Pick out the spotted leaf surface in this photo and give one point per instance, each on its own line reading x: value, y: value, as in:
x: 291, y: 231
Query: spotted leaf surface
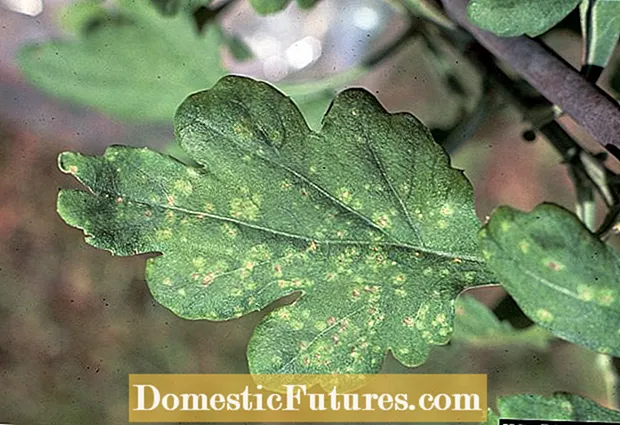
x: 509, y: 18
x: 561, y: 406
x: 563, y: 277
x: 364, y: 220
x: 476, y: 324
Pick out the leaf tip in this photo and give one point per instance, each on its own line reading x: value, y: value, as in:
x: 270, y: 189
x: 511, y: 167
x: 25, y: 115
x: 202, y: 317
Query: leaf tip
x: 67, y: 162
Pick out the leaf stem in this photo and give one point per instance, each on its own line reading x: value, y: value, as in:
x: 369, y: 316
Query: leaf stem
x: 556, y: 80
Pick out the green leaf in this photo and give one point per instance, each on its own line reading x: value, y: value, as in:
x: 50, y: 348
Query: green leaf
x: 265, y: 7
x: 365, y: 221
x: 137, y: 68
x: 475, y: 324
x: 509, y: 18
x: 562, y: 276
x: 561, y: 406
x: 134, y: 64
x: 600, y: 25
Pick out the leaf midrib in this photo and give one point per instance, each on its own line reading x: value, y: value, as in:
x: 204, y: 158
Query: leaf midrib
x: 202, y: 214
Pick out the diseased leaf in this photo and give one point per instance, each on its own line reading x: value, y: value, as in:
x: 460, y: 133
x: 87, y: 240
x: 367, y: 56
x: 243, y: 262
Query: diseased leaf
x: 365, y: 220
x: 140, y: 67
x: 476, y: 324
x: 265, y: 7
x: 509, y: 18
x: 560, y: 274
x: 561, y: 406
x: 600, y: 25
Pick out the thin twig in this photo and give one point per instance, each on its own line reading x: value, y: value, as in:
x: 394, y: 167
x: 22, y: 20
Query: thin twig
x: 552, y: 77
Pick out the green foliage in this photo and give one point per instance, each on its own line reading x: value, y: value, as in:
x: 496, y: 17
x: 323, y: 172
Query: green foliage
x: 600, y: 24
x: 134, y: 65
x: 475, y: 324
x: 561, y: 275
x: 365, y: 220
x: 508, y: 18
x: 561, y: 406
x: 265, y: 7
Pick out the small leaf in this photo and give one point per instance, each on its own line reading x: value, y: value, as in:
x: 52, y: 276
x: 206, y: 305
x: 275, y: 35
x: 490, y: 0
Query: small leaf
x: 561, y: 406
x: 600, y: 25
x: 475, y: 324
x: 562, y: 276
x: 265, y: 7
x: 137, y: 68
x: 509, y: 18
x: 364, y: 220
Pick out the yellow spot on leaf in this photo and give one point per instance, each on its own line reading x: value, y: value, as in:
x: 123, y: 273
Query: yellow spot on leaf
x: 447, y: 210
x: 544, y: 315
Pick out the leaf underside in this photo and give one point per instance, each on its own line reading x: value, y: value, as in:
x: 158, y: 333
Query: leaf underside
x: 365, y: 220
x: 562, y: 276
x: 561, y: 406
x: 509, y: 18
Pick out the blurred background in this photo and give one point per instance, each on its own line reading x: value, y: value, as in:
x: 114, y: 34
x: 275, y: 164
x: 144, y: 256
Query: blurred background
x: 74, y: 321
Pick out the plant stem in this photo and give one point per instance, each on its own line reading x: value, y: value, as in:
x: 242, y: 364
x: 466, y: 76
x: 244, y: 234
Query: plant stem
x: 552, y: 77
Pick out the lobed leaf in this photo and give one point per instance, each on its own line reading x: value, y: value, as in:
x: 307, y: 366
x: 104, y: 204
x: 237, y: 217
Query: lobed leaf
x: 365, y: 221
x: 509, y: 18
x: 476, y: 324
x: 561, y: 406
x: 562, y: 276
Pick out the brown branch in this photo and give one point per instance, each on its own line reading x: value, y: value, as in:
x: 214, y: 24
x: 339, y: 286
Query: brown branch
x: 552, y: 77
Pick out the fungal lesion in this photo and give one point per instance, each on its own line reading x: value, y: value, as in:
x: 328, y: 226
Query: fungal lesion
x: 246, y: 209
